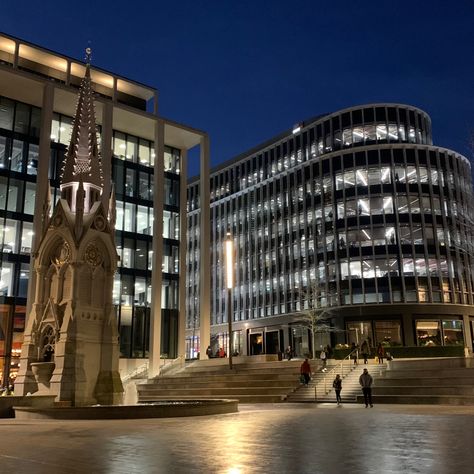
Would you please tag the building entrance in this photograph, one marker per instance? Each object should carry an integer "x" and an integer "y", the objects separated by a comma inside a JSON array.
[
  {"x": 272, "y": 342},
  {"x": 300, "y": 341},
  {"x": 256, "y": 343}
]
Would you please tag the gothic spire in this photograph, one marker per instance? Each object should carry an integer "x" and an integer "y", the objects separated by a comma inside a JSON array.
[{"x": 82, "y": 161}]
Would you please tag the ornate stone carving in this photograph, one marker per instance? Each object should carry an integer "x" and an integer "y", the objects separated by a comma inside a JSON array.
[
  {"x": 99, "y": 223},
  {"x": 92, "y": 255},
  {"x": 58, "y": 220},
  {"x": 62, "y": 254}
]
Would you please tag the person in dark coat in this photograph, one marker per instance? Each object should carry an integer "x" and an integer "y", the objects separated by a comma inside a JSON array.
[
  {"x": 365, "y": 381},
  {"x": 337, "y": 385},
  {"x": 380, "y": 353},
  {"x": 305, "y": 371},
  {"x": 355, "y": 353},
  {"x": 365, "y": 352}
]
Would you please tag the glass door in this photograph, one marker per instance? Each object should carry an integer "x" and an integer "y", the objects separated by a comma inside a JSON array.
[{"x": 255, "y": 343}]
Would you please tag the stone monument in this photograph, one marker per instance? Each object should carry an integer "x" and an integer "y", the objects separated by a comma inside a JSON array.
[{"x": 72, "y": 329}]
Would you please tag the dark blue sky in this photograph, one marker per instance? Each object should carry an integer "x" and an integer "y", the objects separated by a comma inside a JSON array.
[{"x": 247, "y": 70}]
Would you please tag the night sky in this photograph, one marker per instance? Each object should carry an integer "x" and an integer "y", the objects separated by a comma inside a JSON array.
[{"x": 246, "y": 70}]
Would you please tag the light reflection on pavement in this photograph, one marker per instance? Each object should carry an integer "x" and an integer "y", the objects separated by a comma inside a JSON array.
[{"x": 280, "y": 438}]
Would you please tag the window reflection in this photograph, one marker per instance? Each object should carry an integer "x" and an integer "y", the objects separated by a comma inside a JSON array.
[
  {"x": 6, "y": 279},
  {"x": 428, "y": 333}
]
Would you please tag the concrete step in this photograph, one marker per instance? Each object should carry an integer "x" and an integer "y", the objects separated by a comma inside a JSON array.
[
  {"x": 190, "y": 383},
  {"x": 209, "y": 366},
  {"x": 423, "y": 381},
  {"x": 422, "y": 373},
  {"x": 240, "y": 398},
  {"x": 421, "y": 399},
  {"x": 211, "y": 378},
  {"x": 436, "y": 363},
  {"x": 215, "y": 392},
  {"x": 426, "y": 390},
  {"x": 255, "y": 382},
  {"x": 242, "y": 370},
  {"x": 323, "y": 384}
]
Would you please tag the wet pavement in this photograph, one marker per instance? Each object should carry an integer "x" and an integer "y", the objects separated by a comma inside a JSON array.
[{"x": 279, "y": 438}]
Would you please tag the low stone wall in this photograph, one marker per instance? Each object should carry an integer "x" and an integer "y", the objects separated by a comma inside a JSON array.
[
  {"x": 36, "y": 401},
  {"x": 431, "y": 363},
  {"x": 236, "y": 360},
  {"x": 175, "y": 408}
]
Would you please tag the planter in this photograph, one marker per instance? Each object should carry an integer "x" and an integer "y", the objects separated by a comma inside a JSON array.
[{"x": 42, "y": 372}]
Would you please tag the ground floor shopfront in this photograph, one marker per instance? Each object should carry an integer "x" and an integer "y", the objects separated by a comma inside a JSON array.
[{"x": 390, "y": 325}]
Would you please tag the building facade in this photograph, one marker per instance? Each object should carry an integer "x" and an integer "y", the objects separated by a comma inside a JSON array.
[
  {"x": 144, "y": 159},
  {"x": 357, "y": 206}
]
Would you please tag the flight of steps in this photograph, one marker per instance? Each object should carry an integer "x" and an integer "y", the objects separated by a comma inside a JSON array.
[
  {"x": 320, "y": 388},
  {"x": 248, "y": 382},
  {"x": 443, "y": 381}
]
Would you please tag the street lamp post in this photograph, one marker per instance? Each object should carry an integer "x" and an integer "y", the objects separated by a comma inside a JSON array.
[{"x": 229, "y": 261}]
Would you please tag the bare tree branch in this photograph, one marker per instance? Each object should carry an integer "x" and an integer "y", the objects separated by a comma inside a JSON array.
[{"x": 315, "y": 317}]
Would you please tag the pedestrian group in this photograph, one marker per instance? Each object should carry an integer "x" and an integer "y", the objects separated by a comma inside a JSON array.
[{"x": 365, "y": 379}]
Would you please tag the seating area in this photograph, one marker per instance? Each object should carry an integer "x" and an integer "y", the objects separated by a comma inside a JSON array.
[
  {"x": 252, "y": 380},
  {"x": 443, "y": 381}
]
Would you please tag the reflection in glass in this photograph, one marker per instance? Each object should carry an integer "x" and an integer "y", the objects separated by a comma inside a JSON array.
[{"x": 428, "y": 333}]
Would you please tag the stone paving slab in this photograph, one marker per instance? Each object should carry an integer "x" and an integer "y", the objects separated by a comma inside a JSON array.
[{"x": 275, "y": 438}]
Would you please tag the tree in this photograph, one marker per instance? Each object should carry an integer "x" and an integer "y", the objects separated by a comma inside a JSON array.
[{"x": 314, "y": 316}]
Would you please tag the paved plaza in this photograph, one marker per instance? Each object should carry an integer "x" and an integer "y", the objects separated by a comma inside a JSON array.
[{"x": 259, "y": 439}]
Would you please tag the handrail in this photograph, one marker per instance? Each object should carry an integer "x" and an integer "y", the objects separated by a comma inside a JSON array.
[
  {"x": 335, "y": 369},
  {"x": 175, "y": 363},
  {"x": 136, "y": 371}
]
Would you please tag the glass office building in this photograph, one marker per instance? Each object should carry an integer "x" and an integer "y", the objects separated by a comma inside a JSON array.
[
  {"x": 361, "y": 207},
  {"x": 141, "y": 153}
]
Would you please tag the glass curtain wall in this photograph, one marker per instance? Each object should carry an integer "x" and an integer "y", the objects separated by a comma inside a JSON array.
[
  {"x": 373, "y": 222},
  {"x": 19, "y": 139},
  {"x": 133, "y": 168}
]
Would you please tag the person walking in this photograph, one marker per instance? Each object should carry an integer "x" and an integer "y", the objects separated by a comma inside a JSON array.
[
  {"x": 323, "y": 358},
  {"x": 355, "y": 353},
  {"x": 380, "y": 352},
  {"x": 365, "y": 381},
  {"x": 365, "y": 352},
  {"x": 289, "y": 353},
  {"x": 305, "y": 371},
  {"x": 337, "y": 385}
]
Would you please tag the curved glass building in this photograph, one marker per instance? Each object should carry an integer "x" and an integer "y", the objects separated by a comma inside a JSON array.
[{"x": 359, "y": 205}]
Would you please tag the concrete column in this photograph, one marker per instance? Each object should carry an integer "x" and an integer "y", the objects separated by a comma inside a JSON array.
[
  {"x": 114, "y": 91},
  {"x": 183, "y": 246},
  {"x": 468, "y": 337},
  {"x": 68, "y": 73},
  {"x": 16, "y": 55},
  {"x": 205, "y": 256},
  {"x": 106, "y": 151},
  {"x": 157, "y": 259},
  {"x": 42, "y": 185},
  {"x": 408, "y": 330},
  {"x": 155, "y": 103}
]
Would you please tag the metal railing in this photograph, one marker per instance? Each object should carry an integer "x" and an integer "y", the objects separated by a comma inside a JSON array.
[
  {"x": 173, "y": 365},
  {"x": 142, "y": 369},
  {"x": 339, "y": 368}
]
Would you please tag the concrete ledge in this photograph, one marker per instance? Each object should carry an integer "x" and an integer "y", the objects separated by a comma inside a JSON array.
[
  {"x": 421, "y": 399},
  {"x": 36, "y": 401},
  {"x": 435, "y": 363},
  {"x": 236, "y": 360},
  {"x": 164, "y": 409}
]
